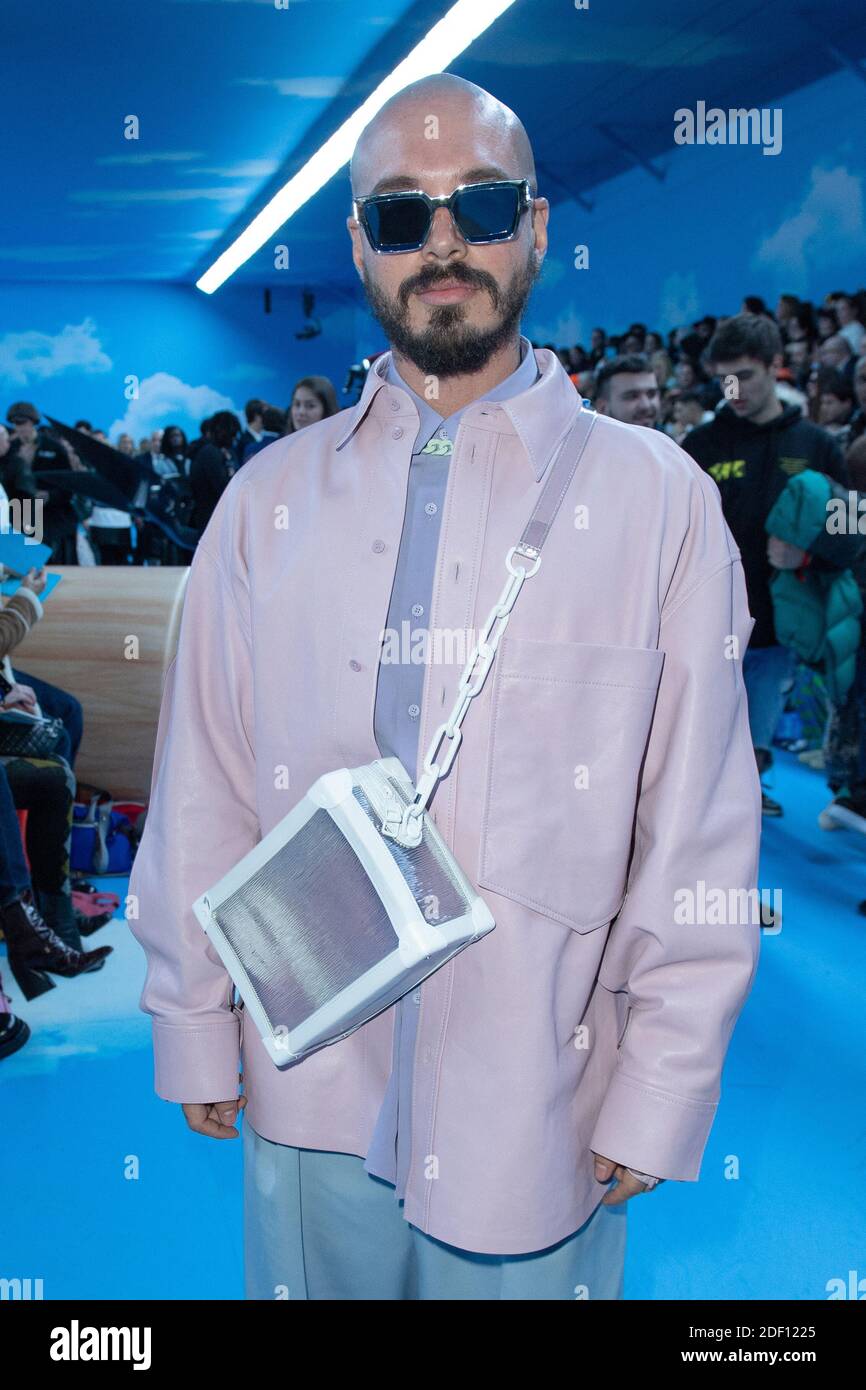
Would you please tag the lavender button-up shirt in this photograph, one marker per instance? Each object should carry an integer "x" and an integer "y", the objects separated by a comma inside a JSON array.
[{"x": 398, "y": 706}]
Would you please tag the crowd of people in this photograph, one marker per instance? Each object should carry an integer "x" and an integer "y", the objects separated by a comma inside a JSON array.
[
  {"x": 772, "y": 404},
  {"x": 171, "y": 483},
  {"x": 819, "y": 365}
]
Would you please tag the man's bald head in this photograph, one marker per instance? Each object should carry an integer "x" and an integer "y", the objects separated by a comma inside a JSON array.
[
  {"x": 467, "y": 127},
  {"x": 450, "y": 306}
]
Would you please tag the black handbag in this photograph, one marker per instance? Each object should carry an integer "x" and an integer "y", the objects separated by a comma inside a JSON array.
[{"x": 26, "y": 737}]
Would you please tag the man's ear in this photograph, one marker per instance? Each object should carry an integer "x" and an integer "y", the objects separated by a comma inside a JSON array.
[
  {"x": 354, "y": 229},
  {"x": 540, "y": 214}
]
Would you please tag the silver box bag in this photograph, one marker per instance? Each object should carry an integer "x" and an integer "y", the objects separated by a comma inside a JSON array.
[{"x": 354, "y": 897}]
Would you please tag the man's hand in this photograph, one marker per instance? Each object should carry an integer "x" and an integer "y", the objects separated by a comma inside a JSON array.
[
  {"x": 784, "y": 556},
  {"x": 626, "y": 1187},
  {"x": 217, "y": 1119}
]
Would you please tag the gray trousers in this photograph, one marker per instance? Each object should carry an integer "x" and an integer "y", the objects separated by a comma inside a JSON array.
[{"x": 318, "y": 1226}]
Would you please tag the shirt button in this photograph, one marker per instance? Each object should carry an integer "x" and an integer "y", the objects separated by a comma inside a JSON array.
[
  {"x": 443, "y": 433},
  {"x": 414, "y": 711},
  {"x": 397, "y": 433},
  {"x": 417, "y": 610},
  {"x": 431, "y": 509},
  {"x": 378, "y": 546},
  {"x": 416, "y": 997},
  {"x": 355, "y": 665}
]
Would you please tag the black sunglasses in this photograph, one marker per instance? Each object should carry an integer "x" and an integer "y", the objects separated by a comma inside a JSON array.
[{"x": 482, "y": 212}]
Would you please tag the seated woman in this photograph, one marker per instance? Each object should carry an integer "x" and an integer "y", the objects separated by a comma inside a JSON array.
[{"x": 43, "y": 786}]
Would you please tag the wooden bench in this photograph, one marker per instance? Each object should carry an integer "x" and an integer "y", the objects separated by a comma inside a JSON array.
[{"x": 107, "y": 636}]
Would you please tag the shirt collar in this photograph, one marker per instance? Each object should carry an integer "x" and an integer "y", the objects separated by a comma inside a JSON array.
[
  {"x": 538, "y": 413},
  {"x": 524, "y": 375}
]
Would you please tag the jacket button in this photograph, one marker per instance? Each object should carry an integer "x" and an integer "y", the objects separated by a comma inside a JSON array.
[
  {"x": 378, "y": 546},
  {"x": 395, "y": 405},
  {"x": 397, "y": 433},
  {"x": 355, "y": 665}
]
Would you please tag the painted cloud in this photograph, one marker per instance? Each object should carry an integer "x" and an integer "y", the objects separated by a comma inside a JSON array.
[
  {"x": 32, "y": 356},
  {"x": 828, "y": 223},
  {"x": 164, "y": 399}
]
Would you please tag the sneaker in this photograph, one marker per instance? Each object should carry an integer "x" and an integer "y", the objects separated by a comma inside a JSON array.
[
  {"x": 813, "y": 757},
  {"x": 844, "y": 811}
]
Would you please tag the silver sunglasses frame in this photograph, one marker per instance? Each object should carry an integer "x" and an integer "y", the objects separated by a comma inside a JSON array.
[{"x": 444, "y": 200}]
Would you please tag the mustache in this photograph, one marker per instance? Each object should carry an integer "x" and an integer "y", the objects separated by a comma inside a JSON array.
[{"x": 422, "y": 282}]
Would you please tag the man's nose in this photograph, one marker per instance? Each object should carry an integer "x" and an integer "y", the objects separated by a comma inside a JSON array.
[{"x": 444, "y": 236}]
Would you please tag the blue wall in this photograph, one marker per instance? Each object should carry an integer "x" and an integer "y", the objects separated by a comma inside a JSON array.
[
  {"x": 70, "y": 347},
  {"x": 727, "y": 221}
]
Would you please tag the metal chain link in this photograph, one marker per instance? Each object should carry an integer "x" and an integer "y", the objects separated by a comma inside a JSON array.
[{"x": 409, "y": 830}]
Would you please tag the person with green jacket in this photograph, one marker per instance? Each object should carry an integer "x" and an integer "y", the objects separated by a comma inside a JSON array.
[
  {"x": 845, "y": 744},
  {"x": 817, "y": 606}
]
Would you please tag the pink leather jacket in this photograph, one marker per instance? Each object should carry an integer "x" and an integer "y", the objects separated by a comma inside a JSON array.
[{"x": 606, "y": 771}]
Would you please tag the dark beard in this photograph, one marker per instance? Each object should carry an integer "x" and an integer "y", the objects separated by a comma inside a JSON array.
[{"x": 447, "y": 347}]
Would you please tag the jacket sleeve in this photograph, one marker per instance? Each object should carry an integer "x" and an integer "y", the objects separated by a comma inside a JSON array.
[
  {"x": 18, "y": 479},
  {"x": 17, "y": 616},
  {"x": 797, "y": 518},
  {"x": 201, "y": 819},
  {"x": 698, "y": 819}
]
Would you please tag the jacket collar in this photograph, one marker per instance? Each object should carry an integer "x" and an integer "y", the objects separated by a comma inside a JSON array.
[{"x": 539, "y": 416}]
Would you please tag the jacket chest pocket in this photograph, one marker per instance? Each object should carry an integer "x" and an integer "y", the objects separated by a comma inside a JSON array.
[{"x": 569, "y": 729}]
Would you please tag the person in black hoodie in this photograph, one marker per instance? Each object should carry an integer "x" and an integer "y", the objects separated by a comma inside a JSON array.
[{"x": 751, "y": 449}]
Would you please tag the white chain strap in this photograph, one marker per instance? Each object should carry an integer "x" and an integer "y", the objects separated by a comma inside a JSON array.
[{"x": 404, "y": 824}]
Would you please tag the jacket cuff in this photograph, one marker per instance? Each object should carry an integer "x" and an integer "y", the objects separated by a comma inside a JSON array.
[
  {"x": 652, "y": 1131},
  {"x": 31, "y": 598},
  {"x": 199, "y": 1064}
]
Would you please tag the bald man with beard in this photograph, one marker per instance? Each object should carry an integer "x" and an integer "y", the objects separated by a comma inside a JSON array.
[{"x": 479, "y": 1139}]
